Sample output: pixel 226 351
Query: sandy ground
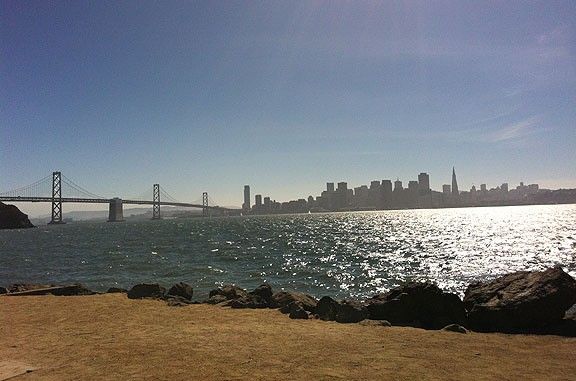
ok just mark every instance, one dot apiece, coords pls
pixel 109 337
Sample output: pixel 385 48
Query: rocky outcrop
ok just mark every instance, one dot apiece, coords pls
pixel 422 305
pixel 525 301
pixel 147 290
pixel 12 218
pixel 3 290
pixel 181 290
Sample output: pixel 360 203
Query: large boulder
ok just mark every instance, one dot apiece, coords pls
pixel 327 308
pixel 345 311
pixel 12 218
pixel 296 311
pixel 351 312
pixel 520 302
pixel 422 305
pixel 182 290
pixel 283 298
pixel 263 292
pixel 147 290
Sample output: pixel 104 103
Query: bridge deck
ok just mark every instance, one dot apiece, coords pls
pixel 106 201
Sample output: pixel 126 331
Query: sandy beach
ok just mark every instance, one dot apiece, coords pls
pixel 109 337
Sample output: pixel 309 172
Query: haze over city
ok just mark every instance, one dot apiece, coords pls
pixel 202 96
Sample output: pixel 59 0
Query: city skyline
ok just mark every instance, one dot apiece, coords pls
pixel 249 195
pixel 212 96
pixel 388 194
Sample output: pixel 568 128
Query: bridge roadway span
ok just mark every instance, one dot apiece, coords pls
pixel 116 213
pixel 103 201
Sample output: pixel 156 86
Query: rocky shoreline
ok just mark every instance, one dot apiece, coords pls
pixel 528 302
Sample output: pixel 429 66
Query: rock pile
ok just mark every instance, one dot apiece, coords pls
pixel 541 302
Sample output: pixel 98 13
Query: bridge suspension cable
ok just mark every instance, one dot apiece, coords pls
pixel 167 196
pixel 212 202
pixel 40 188
pixel 82 192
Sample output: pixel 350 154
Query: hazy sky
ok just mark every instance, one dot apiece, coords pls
pixel 284 96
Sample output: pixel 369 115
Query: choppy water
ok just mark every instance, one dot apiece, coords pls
pixel 338 254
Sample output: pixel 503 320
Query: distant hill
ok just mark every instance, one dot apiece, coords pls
pixel 12 218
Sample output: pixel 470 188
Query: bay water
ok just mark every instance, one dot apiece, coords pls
pixel 342 255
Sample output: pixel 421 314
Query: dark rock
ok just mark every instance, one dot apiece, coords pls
pixel 147 290
pixel 229 292
pixel 455 328
pixel 116 290
pixel 571 313
pixel 296 310
pixel 327 308
pixel 342 312
pixel 3 290
pixel 261 297
pixel 421 305
pixel 12 218
pixel 525 301
pixel 216 299
pixel 72 290
pixel 264 292
pixel 283 298
pixel 181 289
pixel 565 327
pixel 350 312
pixel 376 323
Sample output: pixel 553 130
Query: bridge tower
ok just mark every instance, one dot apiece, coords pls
pixel 56 198
pixel 205 204
pixel 156 202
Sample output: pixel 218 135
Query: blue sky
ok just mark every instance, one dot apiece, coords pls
pixel 284 96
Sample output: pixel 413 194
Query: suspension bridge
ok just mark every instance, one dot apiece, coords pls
pixel 58 189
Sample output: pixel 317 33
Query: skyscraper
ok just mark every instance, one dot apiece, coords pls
pixel 454 183
pixel 246 205
pixel 424 182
